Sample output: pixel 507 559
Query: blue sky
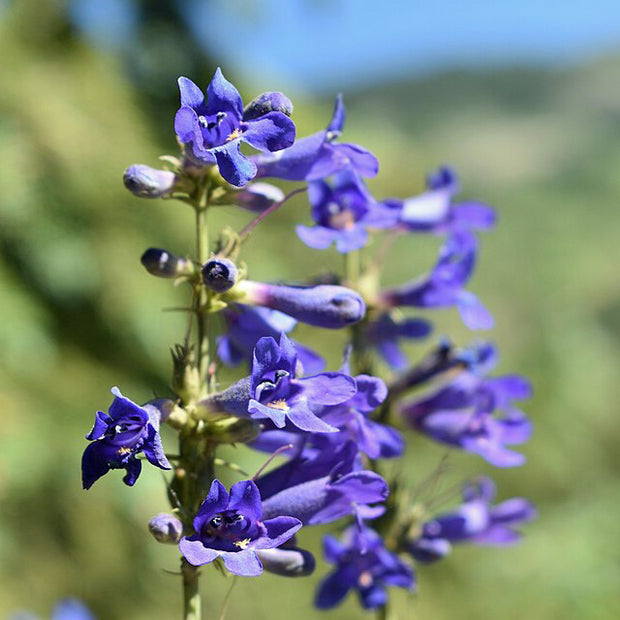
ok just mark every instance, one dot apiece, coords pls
pixel 322 45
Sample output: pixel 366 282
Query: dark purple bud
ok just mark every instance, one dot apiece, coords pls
pixel 258 196
pixel 287 562
pixel 148 182
pixel 219 274
pixel 166 528
pixel 325 305
pixel 163 264
pixel 265 103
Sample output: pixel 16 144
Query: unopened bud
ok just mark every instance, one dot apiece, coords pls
pixel 258 196
pixel 327 306
pixel 148 182
pixel 265 103
pixel 219 274
pixel 166 528
pixel 163 264
pixel 287 562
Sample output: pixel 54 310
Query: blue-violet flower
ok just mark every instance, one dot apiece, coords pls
pixel 118 437
pixel 212 130
pixel 343 213
pixel 318 156
pixel 474 521
pixel 230 526
pixel 362 563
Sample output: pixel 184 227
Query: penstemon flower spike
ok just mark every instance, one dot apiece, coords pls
pixel 331 428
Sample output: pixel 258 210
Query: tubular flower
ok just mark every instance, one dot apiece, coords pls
pixel 118 437
pixel 324 487
pixel 246 324
pixel 461 414
pixel 434 210
pixel 325 305
pixel 444 285
pixel 280 397
pixel 212 130
pixel 362 563
pixel 474 521
pixel 319 156
pixel 343 213
pixel 230 526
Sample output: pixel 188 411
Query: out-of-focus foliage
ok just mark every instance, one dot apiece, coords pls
pixel 79 314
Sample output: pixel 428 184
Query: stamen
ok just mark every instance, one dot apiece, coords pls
pixel 123 450
pixel 234 135
pixel 278 404
pixel 242 544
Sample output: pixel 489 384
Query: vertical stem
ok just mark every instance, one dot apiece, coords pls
pixel 202 253
pixel 191 595
pixel 196 464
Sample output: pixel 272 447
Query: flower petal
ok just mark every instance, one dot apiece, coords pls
pixel 191 95
pixel 195 552
pixel 235 167
pixel 279 530
pixel 244 563
pixel 222 96
pixel 245 499
pixel 272 132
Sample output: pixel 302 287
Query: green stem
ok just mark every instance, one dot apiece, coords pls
pixel 202 253
pixel 191 594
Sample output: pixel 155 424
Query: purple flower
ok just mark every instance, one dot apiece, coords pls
pixel 474 521
pixel 433 211
pixel 460 414
pixel 325 305
pixel 343 213
pixel 384 332
pixel 247 324
pixel 444 285
pixel 276 394
pixel 231 527
pixel 362 563
pixel 319 156
pixel 324 487
pixel 118 437
pixel 212 130
pixel 352 418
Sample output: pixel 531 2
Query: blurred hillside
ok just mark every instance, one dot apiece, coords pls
pixel 79 315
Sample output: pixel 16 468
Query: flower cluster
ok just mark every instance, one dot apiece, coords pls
pixel 333 427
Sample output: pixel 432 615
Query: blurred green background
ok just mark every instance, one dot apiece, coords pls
pixel 79 314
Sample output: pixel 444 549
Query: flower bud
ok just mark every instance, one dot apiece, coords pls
pixel 287 562
pixel 219 274
pixel 148 182
pixel 325 305
pixel 166 528
pixel 166 265
pixel 265 103
pixel 258 196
